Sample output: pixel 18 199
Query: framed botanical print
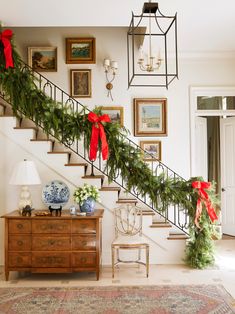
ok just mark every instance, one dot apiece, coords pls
pixel 43 59
pixel 152 150
pixel 115 114
pixel 80 50
pixel 80 83
pixel 150 117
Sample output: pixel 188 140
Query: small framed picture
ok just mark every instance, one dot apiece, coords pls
pixel 153 150
pixel 115 114
pixel 43 59
pixel 80 82
pixel 80 50
pixel 150 117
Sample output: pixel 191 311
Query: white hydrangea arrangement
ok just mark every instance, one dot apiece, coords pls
pixel 81 194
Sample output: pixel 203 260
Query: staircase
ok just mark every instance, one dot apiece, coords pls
pixel 69 162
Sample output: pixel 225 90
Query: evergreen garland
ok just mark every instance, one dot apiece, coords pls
pixel 19 87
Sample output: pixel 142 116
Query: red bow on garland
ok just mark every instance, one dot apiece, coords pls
pixel 203 197
pixel 98 131
pixel 5 38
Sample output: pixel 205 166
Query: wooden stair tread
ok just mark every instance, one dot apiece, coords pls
pixel 177 236
pixel 110 188
pixel 126 200
pixel 81 164
pixel 158 224
pixel 6 115
pixel 59 152
pixel 227 237
pixel 93 177
pixel 42 140
pixel 148 213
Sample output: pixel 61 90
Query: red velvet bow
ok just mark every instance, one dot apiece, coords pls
pixel 203 197
pixel 98 131
pixel 5 37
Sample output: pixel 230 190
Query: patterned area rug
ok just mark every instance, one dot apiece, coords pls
pixel 200 299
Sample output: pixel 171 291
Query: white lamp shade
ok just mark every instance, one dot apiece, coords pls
pixel 25 173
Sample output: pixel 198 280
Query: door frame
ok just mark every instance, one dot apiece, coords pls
pixel 194 92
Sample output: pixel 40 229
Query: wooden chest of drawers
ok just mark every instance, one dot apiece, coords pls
pixel 46 244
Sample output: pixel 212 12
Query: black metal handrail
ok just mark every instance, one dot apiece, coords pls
pixel 173 213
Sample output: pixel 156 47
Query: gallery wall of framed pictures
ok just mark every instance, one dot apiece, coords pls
pixel 150 119
pixel 79 50
pixel 149 114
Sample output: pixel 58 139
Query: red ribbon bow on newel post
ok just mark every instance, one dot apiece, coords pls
pixel 5 38
pixel 203 197
pixel 96 133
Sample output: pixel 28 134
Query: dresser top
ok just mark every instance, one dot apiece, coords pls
pixel 65 214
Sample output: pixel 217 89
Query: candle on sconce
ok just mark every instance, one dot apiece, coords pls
pixel 106 62
pixel 114 65
pixel 141 52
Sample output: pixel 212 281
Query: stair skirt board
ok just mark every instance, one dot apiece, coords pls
pixel 56 165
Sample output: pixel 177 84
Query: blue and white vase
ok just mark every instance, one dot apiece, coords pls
pixel 88 206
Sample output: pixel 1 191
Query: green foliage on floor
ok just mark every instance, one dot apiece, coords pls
pixel 19 87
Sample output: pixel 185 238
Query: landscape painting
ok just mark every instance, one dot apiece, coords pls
pixel 152 150
pixel 80 50
pixel 115 114
pixel 150 117
pixel 43 59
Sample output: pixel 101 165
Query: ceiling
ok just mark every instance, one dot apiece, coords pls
pixel 204 26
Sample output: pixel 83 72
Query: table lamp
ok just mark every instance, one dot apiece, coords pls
pixel 24 174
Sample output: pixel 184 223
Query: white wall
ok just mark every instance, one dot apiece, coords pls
pixel 111 42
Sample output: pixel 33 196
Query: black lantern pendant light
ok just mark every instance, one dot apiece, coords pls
pixel 152 48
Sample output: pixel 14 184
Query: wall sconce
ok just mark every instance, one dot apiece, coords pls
pixel 110 67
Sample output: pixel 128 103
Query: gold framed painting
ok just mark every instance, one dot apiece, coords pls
pixel 80 50
pixel 150 116
pixel 80 83
pixel 115 113
pixel 152 150
pixel 43 59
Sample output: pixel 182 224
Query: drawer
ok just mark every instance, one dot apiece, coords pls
pixel 19 226
pixel 84 226
pixel 83 259
pixel 51 226
pixel 84 242
pixel 51 243
pixel 19 243
pixel 50 259
pixel 19 259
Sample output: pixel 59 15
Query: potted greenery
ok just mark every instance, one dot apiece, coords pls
pixel 86 197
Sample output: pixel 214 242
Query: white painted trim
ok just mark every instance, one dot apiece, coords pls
pixel 194 92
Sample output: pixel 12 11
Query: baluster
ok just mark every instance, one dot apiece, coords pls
pixel 92 169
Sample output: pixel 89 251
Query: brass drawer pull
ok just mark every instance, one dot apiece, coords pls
pixel 84 243
pixel 20 226
pixel 20 243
